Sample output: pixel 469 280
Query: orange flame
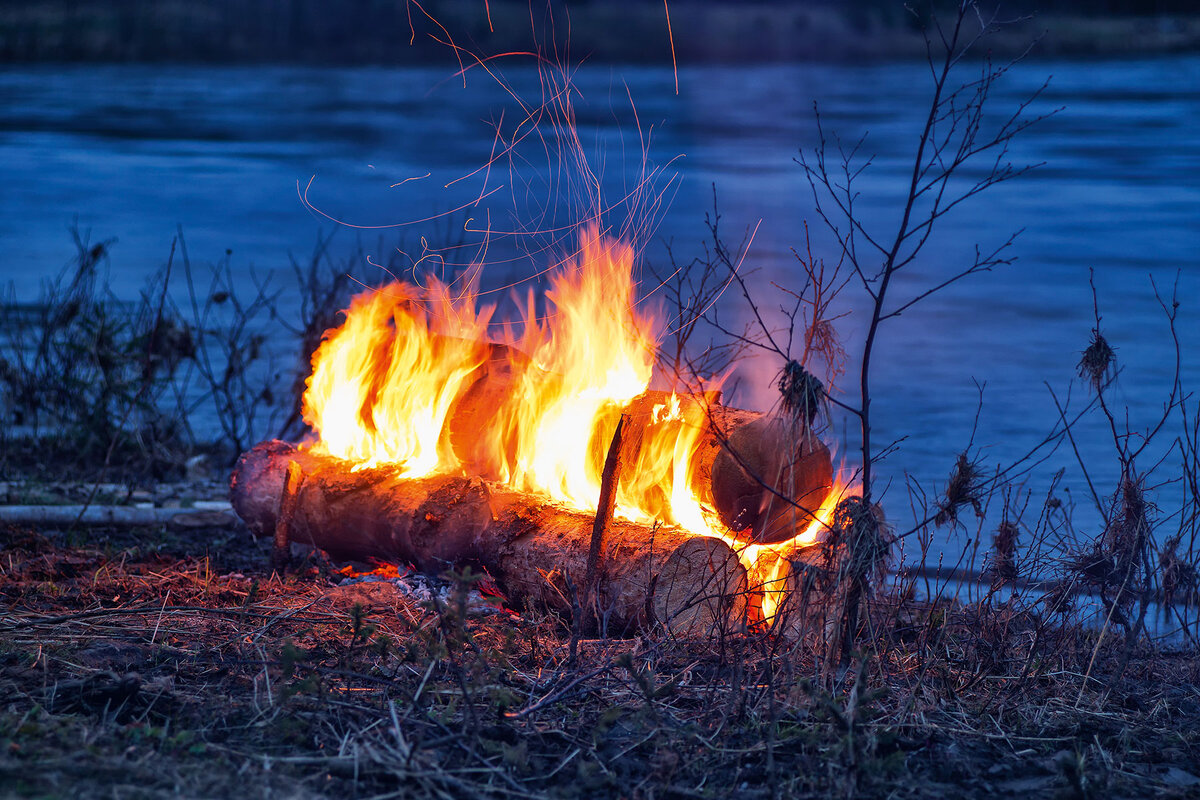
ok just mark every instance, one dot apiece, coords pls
pixel 388 386
pixel 767 564
pixel 383 383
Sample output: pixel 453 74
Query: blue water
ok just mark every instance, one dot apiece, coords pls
pixel 132 152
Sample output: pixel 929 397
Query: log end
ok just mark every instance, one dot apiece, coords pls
pixel 256 484
pixel 762 463
pixel 701 589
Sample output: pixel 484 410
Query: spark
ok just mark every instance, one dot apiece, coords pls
pixel 413 178
pixel 671 39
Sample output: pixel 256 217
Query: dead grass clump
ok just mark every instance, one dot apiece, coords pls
pixel 187 675
pixel 860 541
pixel 1115 567
pixel 1180 579
pixel 1004 552
pixel 966 487
pixel 1127 536
pixel 802 392
pixel 856 554
pixel 1098 362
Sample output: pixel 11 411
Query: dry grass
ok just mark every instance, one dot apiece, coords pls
pixel 150 664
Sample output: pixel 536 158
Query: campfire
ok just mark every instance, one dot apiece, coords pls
pixel 538 451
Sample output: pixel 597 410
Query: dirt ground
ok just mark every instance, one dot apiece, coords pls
pixel 174 663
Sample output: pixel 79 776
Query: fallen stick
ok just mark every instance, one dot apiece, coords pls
pixel 646 575
pixel 99 515
pixel 293 478
pixel 604 511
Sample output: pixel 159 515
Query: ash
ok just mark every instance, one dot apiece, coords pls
pixel 420 588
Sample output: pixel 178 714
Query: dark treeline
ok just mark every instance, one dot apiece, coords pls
pixel 1115 7
pixel 396 31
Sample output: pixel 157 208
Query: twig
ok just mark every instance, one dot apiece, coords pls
pixel 155 609
pixel 609 480
pixel 557 694
pixel 90 515
pixel 287 510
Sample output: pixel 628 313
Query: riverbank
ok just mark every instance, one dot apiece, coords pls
pixel 222 31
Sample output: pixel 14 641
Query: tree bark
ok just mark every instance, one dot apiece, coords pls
pixel 647 575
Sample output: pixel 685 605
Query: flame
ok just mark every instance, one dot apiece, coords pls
pixel 389 385
pixel 383 383
pixel 768 565
pixel 601 353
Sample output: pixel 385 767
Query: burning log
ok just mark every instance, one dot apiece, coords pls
pixel 762 475
pixel 767 476
pixel 478 436
pixel 535 550
pixel 798 592
pixel 815 592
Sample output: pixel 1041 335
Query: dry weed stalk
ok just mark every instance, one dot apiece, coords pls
pixel 958 130
pixel 146 386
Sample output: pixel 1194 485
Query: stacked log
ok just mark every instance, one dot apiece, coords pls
pixel 763 475
pixel 764 478
pixel 534 549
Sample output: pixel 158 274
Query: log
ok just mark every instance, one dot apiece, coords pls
pixel 762 475
pixel 768 476
pixel 110 515
pixel 647 575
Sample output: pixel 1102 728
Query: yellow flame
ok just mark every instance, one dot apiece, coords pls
pixel 601 354
pixel 384 381
pixel 385 385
